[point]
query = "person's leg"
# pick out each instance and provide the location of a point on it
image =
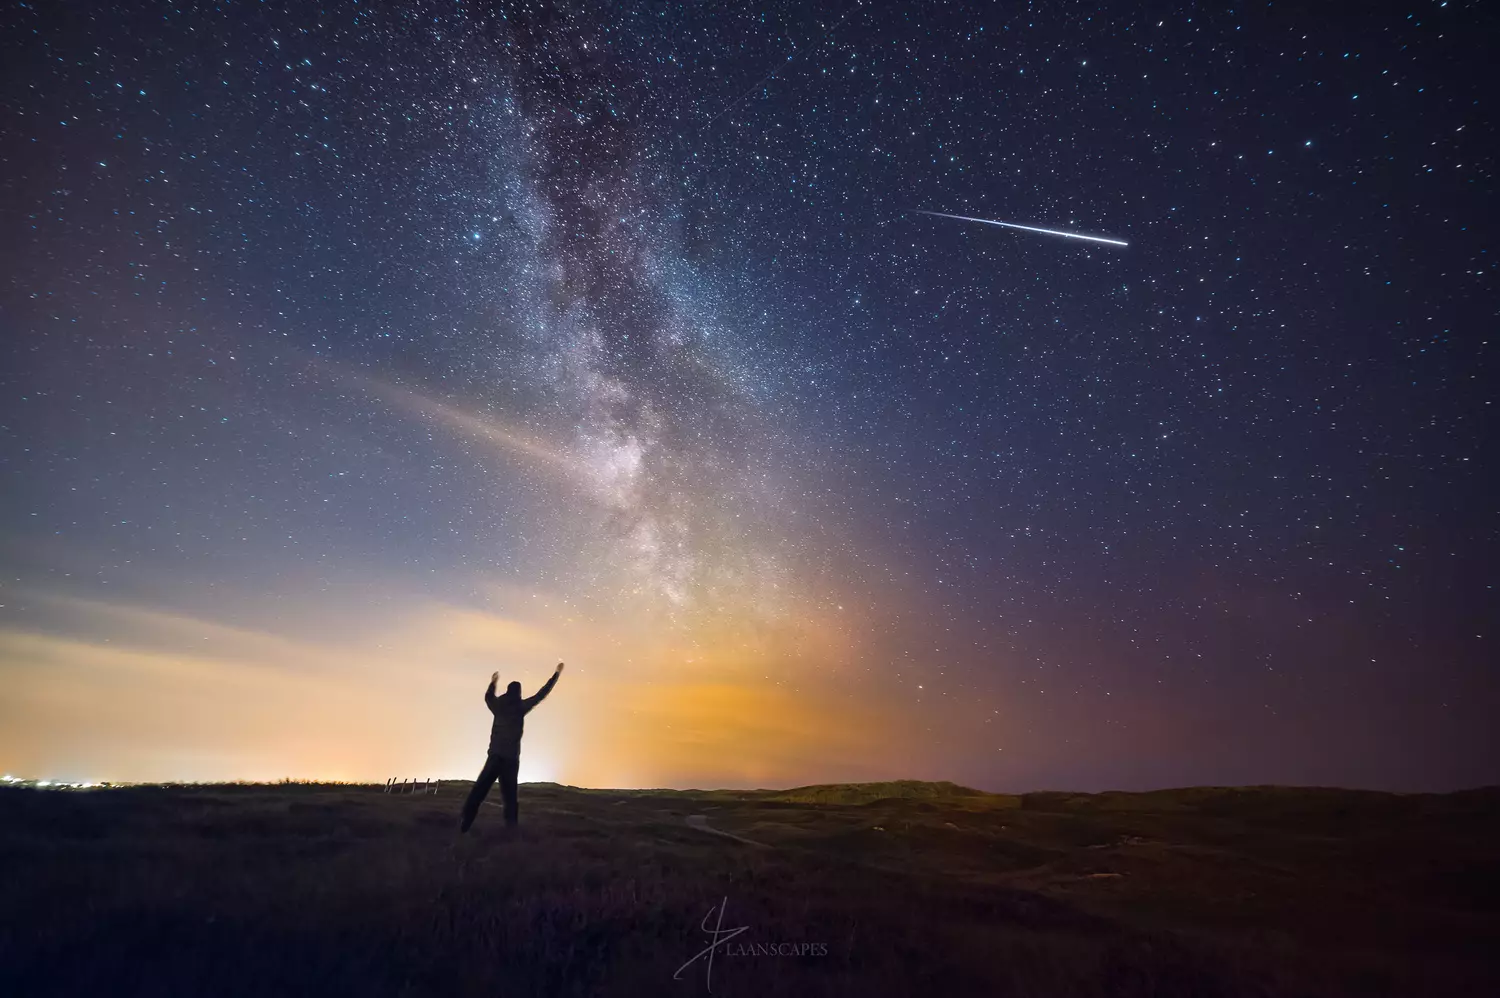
(508, 768)
(481, 787)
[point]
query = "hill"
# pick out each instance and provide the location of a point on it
(862, 889)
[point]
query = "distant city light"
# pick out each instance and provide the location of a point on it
(58, 784)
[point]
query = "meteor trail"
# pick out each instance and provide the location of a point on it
(1029, 228)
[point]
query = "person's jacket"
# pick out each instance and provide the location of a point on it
(510, 710)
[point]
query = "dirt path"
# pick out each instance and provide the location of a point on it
(700, 822)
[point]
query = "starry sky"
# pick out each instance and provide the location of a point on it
(351, 352)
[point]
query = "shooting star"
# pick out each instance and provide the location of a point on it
(1029, 228)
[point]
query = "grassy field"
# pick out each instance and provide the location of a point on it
(877, 889)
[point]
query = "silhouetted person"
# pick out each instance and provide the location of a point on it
(505, 746)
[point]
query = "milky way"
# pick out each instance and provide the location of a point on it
(354, 352)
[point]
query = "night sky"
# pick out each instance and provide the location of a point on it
(350, 353)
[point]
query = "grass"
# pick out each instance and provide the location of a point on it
(913, 888)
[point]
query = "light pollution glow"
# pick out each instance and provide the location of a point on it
(160, 697)
(664, 689)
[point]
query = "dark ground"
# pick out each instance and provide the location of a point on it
(914, 889)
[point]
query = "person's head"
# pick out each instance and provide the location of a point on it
(513, 690)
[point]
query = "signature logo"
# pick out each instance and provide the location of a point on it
(717, 936)
(719, 943)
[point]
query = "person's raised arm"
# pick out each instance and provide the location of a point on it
(541, 694)
(489, 694)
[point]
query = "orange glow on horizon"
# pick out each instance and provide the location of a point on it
(151, 696)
